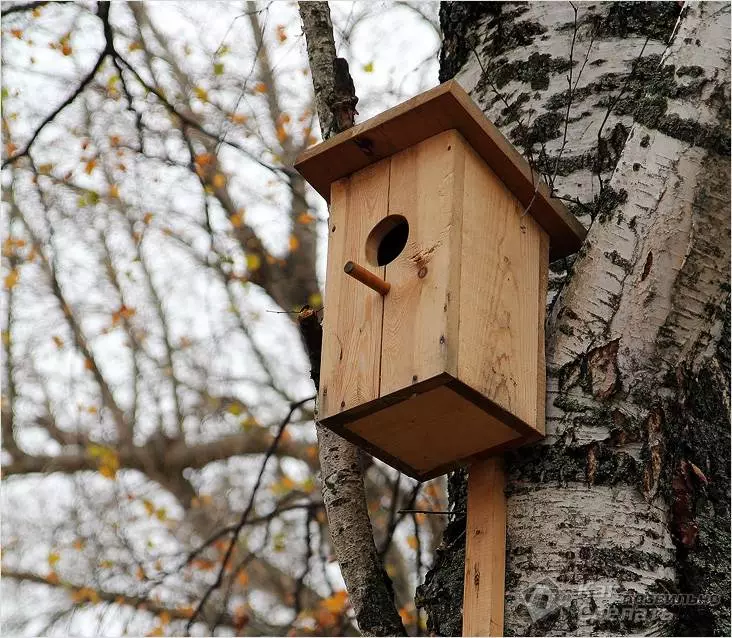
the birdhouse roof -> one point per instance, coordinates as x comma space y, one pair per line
442, 108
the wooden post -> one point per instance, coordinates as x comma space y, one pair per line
485, 550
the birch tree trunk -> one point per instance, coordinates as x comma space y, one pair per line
625, 109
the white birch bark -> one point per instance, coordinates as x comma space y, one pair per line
610, 502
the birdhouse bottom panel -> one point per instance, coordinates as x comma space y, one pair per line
431, 427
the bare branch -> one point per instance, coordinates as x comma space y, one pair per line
245, 514
103, 12
26, 6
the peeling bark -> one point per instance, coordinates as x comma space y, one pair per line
629, 493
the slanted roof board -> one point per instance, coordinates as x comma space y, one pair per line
444, 107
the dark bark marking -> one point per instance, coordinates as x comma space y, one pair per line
647, 265
602, 363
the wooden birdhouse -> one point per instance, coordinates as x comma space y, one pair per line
439, 242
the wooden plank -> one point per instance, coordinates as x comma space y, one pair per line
485, 550
444, 107
416, 334
351, 354
499, 279
430, 430
541, 358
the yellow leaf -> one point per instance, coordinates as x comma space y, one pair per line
308, 485
305, 218
294, 243
204, 159
156, 631
52, 578
147, 218
278, 542
237, 118
134, 46
235, 408
140, 573
114, 191
90, 166
260, 87
201, 94
53, 558
219, 181
253, 262
369, 68
66, 48
336, 603
149, 507
281, 134
315, 300
237, 219
88, 364
312, 451
412, 542
161, 514
108, 471
17, 33
186, 611
249, 423
164, 618
79, 544
284, 485
242, 578
407, 615
11, 278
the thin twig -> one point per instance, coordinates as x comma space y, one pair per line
612, 106
245, 514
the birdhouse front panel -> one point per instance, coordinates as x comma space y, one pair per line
444, 366
351, 356
439, 240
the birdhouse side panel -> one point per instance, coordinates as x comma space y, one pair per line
420, 311
352, 320
503, 271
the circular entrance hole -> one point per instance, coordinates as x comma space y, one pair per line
387, 240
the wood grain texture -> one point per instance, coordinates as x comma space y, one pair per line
485, 550
444, 107
352, 316
417, 323
541, 345
432, 429
499, 305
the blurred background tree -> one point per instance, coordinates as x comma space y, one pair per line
158, 448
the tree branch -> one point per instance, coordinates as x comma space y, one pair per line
369, 587
245, 514
26, 6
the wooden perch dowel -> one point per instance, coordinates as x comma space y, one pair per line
359, 273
